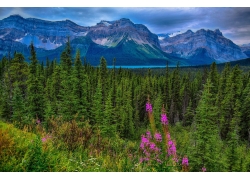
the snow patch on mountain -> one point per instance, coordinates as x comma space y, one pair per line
175, 33
39, 43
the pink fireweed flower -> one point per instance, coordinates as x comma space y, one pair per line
171, 148
168, 136
142, 145
152, 146
159, 161
148, 134
203, 169
147, 154
148, 107
164, 119
144, 139
38, 121
175, 159
44, 139
185, 161
158, 137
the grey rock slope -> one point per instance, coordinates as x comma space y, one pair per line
129, 43
44, 34
121, 39
246, 49
204, 45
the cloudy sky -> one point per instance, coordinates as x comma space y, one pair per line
234, 22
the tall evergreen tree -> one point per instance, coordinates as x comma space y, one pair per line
35, 88
205, 149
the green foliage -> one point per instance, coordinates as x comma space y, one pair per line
96, 115
205, 145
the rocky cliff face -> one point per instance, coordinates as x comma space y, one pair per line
206, 45
120, 39
129, 43
110, 33
246, 49
44, 34
50, 35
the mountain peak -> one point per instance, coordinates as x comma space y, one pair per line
125, 19
189, 31
15, 16
217, 31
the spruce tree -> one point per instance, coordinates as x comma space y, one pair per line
18, 105
205, 149
97, 105
35, 88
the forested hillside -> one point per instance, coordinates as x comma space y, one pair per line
70, 116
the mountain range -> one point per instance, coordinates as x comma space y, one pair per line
129, 43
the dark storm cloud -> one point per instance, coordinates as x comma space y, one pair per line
233, 22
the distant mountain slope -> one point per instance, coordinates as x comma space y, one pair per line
129, 43
246, 49
205, 45
127, 52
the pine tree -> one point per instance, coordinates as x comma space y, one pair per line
66, 59
108, 125
189, 115
97, 104
18, 105
233, 93
35, 88
214, 78
174, 111
104, 77
205, 149
245, 113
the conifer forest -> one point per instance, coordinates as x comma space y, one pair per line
66, 115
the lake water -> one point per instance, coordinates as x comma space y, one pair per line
136, 67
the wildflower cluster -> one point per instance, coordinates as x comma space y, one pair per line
185, 164
164, 118
149, 147
45, 138
171, 148
203, 169
158, 137
38, 121
149, 107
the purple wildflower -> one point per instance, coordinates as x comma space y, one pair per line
159, 161
142, 145
148, 135
168, 136
147, 154
46, 138
185, 161
171, 148
152, 146
164, 119
158, 137
203, 169
144, 139
175, 159
148, 107
38, 121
